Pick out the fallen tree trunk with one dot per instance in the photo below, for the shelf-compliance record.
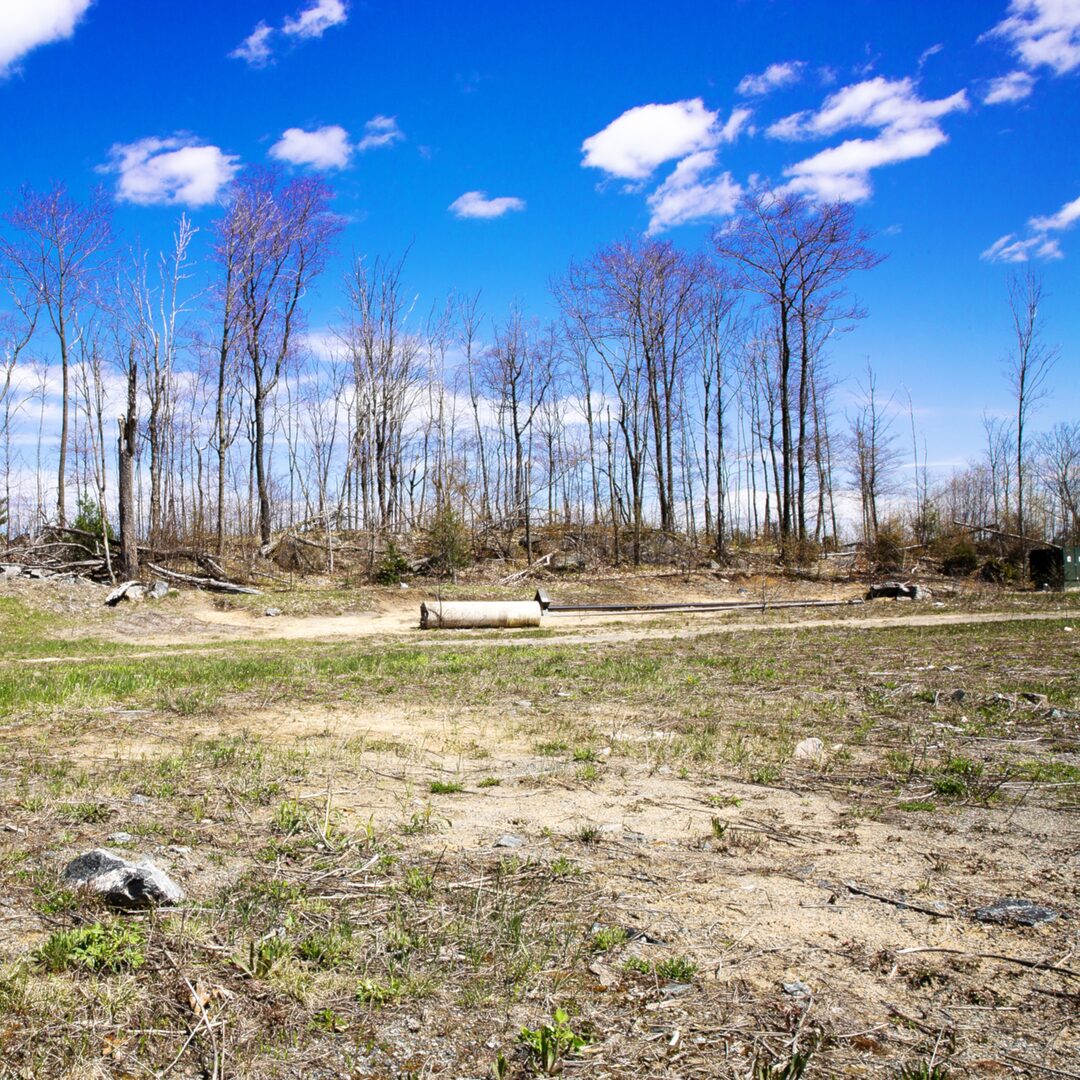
(213, 584)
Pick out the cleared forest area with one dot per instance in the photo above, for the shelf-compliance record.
(611, 849)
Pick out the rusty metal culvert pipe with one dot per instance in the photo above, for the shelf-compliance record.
(477, 614)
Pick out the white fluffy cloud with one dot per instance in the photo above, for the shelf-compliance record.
(908, 127)
(1038, 244)
(1005, 89)
(380, 131)
(324, 148)
(774, 77)
(877, 102)
(314, 20)
(26, 24)
(257, 49)
(634, 144)
(693, 192)
(329, 147)
(476, 204)
(1043, 33)
(175, 171)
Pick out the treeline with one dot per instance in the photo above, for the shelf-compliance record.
(682, 392)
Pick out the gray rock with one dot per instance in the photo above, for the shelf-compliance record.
(943, 697)
(1011, 911)
(567, 560)
(509, 841)
(121, 838)
(121, 883)
(272, 612)
(812, 749)
(10, 570)
(126, 590)
(158, 589)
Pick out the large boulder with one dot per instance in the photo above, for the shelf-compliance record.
(121, 883)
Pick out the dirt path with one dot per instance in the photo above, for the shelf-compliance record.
(399, 628)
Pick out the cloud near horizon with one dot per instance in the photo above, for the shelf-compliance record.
(476, 204)
(175, 171)
(26, 25)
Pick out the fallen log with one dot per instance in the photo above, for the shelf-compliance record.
(212, 584)
(518, 574)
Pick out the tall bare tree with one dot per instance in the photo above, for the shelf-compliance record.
(796, 255)
(1028, 367)
(53, 247)
(282, 233)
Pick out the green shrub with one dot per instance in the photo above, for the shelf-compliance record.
(89, 519)
(392, 567)
(449, 547)
(961, 561)
(93, 948)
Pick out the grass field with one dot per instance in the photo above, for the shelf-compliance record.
(519, 855)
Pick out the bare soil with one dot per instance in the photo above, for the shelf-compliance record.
(825, 906)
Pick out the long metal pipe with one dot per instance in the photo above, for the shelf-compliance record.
(553, 608)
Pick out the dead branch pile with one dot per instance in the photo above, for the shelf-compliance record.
(68, 554)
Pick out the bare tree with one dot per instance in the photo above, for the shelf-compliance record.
(1059, 468)
(282, 234)
(796, 255)
(873, 454)
(53, 250)
(1027, 370)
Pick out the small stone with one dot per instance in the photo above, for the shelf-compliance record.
(121, 883)
(121, 838)
(272, 612)
(158, 589)
(797, 989)
(403, 585)
(1011, 911)
(943, 697)
(812, 749)
(413, 1024)
(509, 840)
(140, 800)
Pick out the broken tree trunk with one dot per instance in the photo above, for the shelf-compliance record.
(213, 584)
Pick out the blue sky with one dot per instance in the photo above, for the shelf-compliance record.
(502, 140)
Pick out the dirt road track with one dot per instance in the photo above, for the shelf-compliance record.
(396, 630)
